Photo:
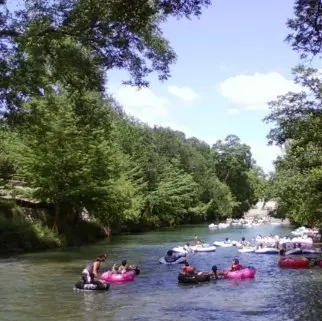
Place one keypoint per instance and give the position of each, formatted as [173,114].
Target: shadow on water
[41,284]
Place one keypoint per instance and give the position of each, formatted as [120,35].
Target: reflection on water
[41,285]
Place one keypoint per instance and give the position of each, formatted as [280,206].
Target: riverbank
[17,236]
[29,230]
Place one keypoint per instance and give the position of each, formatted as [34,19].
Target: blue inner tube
[99,286]
[296,251]
[173,260]
[309,251]
[192,279]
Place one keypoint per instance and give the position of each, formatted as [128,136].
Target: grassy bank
[20,234]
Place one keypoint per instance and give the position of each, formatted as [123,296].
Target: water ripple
[40,285]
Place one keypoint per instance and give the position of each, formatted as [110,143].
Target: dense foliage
[74,147]
[306,28]
[73,42]
[297,183]
[79,152]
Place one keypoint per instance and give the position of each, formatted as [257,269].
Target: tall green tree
[174,195]
[72,161]
[233,167]
[298,118]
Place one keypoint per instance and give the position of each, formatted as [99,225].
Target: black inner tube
[102,286]
[193,279]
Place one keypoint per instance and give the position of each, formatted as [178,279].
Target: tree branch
[9,33]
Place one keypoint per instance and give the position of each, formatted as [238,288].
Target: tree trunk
[56,219]
[227,176]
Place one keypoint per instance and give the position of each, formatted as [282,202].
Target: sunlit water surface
[41,285]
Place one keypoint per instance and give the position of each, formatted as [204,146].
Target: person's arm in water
[219,273]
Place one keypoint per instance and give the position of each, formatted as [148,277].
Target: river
[40,285]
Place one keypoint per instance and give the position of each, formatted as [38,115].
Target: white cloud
[143,104]
[232,111]
[254,91]
[184,93]
[264,155]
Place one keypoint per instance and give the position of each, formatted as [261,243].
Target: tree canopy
[297,119]
[75,43]
[298,127]
[306,28]
[73,145]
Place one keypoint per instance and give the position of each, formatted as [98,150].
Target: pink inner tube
[245,273]
[122,277]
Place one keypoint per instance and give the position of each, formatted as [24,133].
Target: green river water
[40,286]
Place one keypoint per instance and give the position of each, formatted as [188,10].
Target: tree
[298,115]
[218,198]
[68,156]
[174,194]
[306,28]
[232,168]
[9,144]
[75,41]
[258,182]
[297,183]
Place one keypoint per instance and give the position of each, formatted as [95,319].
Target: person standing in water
[91,273]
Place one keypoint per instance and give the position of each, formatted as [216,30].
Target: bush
[19,236]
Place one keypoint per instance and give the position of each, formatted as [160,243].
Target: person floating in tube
[190,270]
[124,267]
[215,274]
[283,250]
[170,257]
[314,261]
[186,247]
[227,240]
[236,266]
[244,242]
[197,240]
[91,273]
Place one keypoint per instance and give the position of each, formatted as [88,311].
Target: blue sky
[231,40]
[231,61]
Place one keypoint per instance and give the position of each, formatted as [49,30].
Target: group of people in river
[90,273]
[190,270]
[214,273]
